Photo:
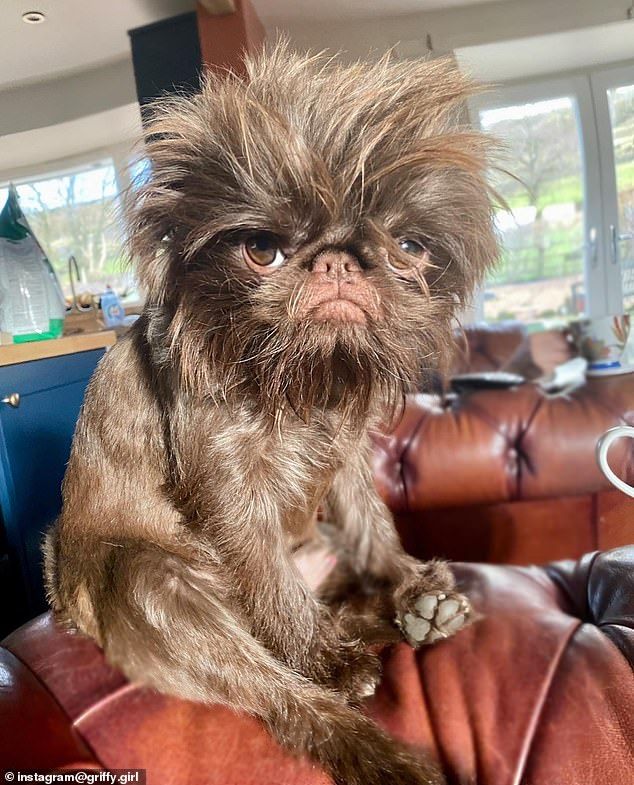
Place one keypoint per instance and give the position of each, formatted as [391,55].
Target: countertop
[69,344]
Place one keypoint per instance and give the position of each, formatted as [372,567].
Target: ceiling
[30,152]
[77,34]
[83,34]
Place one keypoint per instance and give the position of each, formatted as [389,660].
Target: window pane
[77,213]
[140,171]
[540,277]
[621,101]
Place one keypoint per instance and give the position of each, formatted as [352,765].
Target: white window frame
[576,88]
[601,81]
[604,293]
[119,155]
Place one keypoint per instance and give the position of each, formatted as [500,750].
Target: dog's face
[309,232]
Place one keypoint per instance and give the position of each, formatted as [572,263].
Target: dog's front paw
[434,615]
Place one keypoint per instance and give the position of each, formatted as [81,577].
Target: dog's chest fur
[278,473]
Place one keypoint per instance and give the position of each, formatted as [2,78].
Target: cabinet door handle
[13,400]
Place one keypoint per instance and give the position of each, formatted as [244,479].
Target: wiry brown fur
[211,434]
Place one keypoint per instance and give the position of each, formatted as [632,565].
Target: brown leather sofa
[539,691]
[510,476]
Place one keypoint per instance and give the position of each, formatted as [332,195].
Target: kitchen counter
[70,344]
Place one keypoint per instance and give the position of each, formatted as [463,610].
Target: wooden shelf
[38,350]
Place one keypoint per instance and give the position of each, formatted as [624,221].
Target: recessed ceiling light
[33,17]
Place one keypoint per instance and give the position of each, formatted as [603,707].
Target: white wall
[112,133]
[47,103]
[555,53]
[58,100]
[460,26]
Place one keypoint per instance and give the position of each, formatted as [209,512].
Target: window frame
[588,87]
[577,88]
[602,80]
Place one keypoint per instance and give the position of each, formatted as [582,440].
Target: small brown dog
[304,238]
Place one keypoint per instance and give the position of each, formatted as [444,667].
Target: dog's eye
[263,250]
[412,247]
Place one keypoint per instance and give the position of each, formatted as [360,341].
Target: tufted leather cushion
[509,476]
[504,445]
[488,347]
[539,691]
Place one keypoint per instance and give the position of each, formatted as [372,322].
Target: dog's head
[307,232]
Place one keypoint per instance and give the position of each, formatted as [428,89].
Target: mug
[603,445]
[605,343]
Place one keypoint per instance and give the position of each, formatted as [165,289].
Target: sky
[489,117]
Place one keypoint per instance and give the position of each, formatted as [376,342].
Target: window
[541,271]
[621,103]
[568,230]
[77,213]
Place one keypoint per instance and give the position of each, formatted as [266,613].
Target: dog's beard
[308,367]
[291,366]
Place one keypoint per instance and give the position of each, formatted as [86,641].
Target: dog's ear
[152,201]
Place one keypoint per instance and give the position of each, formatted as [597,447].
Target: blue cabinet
[40,405]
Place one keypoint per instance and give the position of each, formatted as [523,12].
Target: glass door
[550,270]
[613,95]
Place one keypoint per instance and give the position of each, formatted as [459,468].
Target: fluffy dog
[304,239]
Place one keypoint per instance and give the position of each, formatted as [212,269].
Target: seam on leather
[121,690]
[562,584]
[586,595]
[538,711]
[477,410]
[589,576]
[442,758]
[515,444]
[493,424]
[521,452]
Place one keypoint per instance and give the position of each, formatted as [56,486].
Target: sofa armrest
[492,446]
[538,691]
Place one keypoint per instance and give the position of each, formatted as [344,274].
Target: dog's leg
[167,622]
[375,582]
[238,508]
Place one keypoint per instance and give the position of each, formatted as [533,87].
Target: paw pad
[435,615]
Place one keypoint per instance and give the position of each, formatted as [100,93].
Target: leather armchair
[538,691]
